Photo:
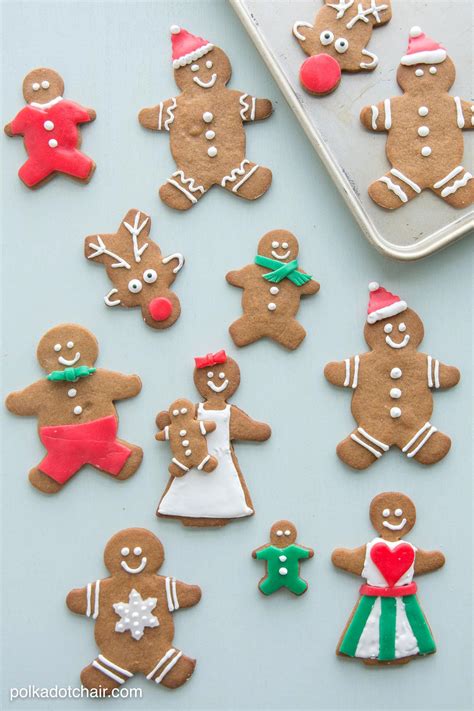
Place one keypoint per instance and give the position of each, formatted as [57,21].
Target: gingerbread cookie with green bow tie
[272,288]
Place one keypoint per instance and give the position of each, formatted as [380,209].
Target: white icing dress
[217,494]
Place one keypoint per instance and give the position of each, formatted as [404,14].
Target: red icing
[160,308]
[381,298]
[183,43]
[392,562]
[211,359]
[320,74]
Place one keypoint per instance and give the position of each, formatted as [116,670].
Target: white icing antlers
[362,13]
[100,248]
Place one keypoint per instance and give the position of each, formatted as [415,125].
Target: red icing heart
[392,562]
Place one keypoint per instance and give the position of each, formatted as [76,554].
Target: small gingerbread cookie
[392,401]
[205,123]
[282,556]
[387,626]
[133,611]
[337,41]
[74,404]
[425,143]
[48,125]
[273,286]
[140,274]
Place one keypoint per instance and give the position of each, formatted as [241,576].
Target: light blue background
[252,652]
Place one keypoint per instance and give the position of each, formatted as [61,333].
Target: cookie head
[283,533]
[216,376]
[425,67]
[67,346]
[42,85]
[198,65]
[392,515]
[390,323]
[280,245]
[181,411]
[133,551]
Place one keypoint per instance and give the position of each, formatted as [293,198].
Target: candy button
[423,111]
[396,373]
[212,152]
[52,143]
[207,117]
[274,290]
[426,151]
[77,410]
[72,392]
[283,571]
[271,306]
[49,125]
[395,393]
[210,135]
[395,412]
[282,558]
[423,131]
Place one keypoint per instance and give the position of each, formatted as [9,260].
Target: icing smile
[65,361]
[402,344]
[395,526]
[283,256]
[136,570]
[218,388]
[208,84]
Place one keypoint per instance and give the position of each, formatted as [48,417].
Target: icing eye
[210,374]
[287,532]
[57,347]
[175,413]
[184,410]
[284,245]
[35,86]
[341,45]
[125,551]
[279,533]
[433,70]
[45,84]
[135,286]
[275,245]
[402,327]
[209,64]
[70,344]
[398,512]
[388,328]
[419,72]
[326,37]
[222,375]
[150,276]
[194,67]
[386,513]
[137,550]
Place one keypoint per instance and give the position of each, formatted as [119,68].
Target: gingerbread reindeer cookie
[336,42]
[199,498]
[48,125]
[74,404]
[387,626]
[140,274]
[392,401]
[272,288]
[206,126]
[425,143]
[133,613]
[282,556]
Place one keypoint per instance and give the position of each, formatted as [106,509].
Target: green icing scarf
[282,271]
[71,374]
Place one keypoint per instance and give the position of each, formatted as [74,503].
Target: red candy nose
[320,74]
[160,308]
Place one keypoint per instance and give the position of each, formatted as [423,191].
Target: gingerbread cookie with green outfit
[387,626]
[283,556]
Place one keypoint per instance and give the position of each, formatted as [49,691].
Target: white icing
[395,412]
[356,371]
[433,56]
[47,104]
[395,393]
[205,84]
[419,72]
[326,37]
[175,413]
[274,290]
[396,373]
[57,347]
[284,245]
[77,410]
[423,131]
[35,86]
[357,439]
[45,84]
[449,176]
[341,7]
[423,111]
[170,113]
[209,64]
[218,388]
[386,513]
[185,442]
[94,611]
[212,152]
[394,526]
[271,306]
[380,444]
[436,374]
[341,45]
[275,245]
[282,558]
[210,135]
[188,453]
[393,344]
[204,461]
[202,427]
[194,67]
[235,172]
[399,174]
[125,551]
[388,328]
[184,410]
[456,185]
[71,362]
[135,232]
[70,344]
[398,512]
[150,276]
[459,112]
[362,13]
[134,571]
[402,327]
[168,668]
[431,430]
[100,249]
[388,114]
[222,375]
[191,187]
[109,666]
[375,115]
[281,257]
[426,151]
[158,666]
[395,188]
[430,379]
[296,27]
[210,374]
[182,432]
[207,117]
[179,257]
[72,392]
[283,571]
[348,372]
[374,60]
[191,56]
[373,575]
[135,286]
[135,615]
[48,125]
[433,70]
[137,550]
[52,143]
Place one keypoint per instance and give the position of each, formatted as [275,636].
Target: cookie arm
[377,117]
[80,114]
[428,561]
[18,124]
[440,375]
[122,386]
[311,287]
[260,553]
[237,278]
[244,428]
[85,601]
[26,402]
[207,426]
[305,552]
[158,118]
[464,113]
[163,419]
[253,109]
[350,560]
[344,373]
[188,595]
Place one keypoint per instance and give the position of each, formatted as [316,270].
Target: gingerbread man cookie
[282,556]
[140,274]
[337,42]
[187,437]
[133,611]
[387,626]
[74,404]
[273,286]
[48,125]
[200,499]
[205,123]
[392,401]
[425,143]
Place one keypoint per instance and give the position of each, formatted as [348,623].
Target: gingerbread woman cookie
[273,286]
[392,401]
[205,123]
[337,42]
[282,556]
[387,626]
[140,274]
[48,125]
[200,499]
[187,437]
[74,404]
[425,143]
[133,611]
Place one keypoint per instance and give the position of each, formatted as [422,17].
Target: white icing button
[72,392]
[207,117]
[45,84]
[77,410]
[52,143]
[419,72]
[426,151]
[188,452]
[49,125]
[175,413]
[212,152]
[271,306]
[395,412]
[423,111]
[386,513]
[423,131]
[433,70]
[274,290]
[282,558]
[395,393]
[35,86]
[210,135]
[185,442]
[182,432]
[283,571]
[395,373]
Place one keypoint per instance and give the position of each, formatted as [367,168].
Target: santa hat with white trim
[422,49]
[186,48]
[383,304]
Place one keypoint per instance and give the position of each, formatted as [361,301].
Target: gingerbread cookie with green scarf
[272,288]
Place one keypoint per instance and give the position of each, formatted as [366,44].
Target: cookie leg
[427,446]
[104,674]
[32,172]
[43,482]
[393,190]
[292,336]
[132,463]
[181,192]
[249,181]
[172,670]
[177,468]
[456,188]
[360,449]
[298,587]
[208,464]
[268,586]
[75,164]
[243,332]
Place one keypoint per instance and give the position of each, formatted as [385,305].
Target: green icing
[274,580]
[419,625]
[282,271]
[356,626]
[71,374]
[387,622]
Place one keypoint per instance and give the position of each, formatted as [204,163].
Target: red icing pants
[62,160]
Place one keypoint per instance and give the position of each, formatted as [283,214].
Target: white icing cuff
[192,56]
[434,56]
[387,311]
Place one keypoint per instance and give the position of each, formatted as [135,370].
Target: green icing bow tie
[71,374]
[282,271]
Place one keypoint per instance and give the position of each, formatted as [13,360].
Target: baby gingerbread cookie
[205,123]
[387,625]
[337,42]
[425,143]
[200,499]
[273,286]
[48,125]
[282,556]
[187,437]
[392,401]
[140,274]
[74,404]
[133,611]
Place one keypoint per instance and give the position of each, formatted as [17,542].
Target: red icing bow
[211,359]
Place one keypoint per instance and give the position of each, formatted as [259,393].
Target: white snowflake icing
[136,614]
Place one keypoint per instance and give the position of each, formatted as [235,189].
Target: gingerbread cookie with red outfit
[133,612]
[272,288]
[392,400]
[387,626]
[136,267]
[206,126]
[49,126]
[425,142]
[75,407]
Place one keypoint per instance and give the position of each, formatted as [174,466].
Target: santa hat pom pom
[415,31]
[175,29]
[373,286]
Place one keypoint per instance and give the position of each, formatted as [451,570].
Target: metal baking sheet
[353,156]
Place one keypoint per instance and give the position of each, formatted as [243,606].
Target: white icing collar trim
[192,56]
[47,104]
[434,56]
[387,311]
